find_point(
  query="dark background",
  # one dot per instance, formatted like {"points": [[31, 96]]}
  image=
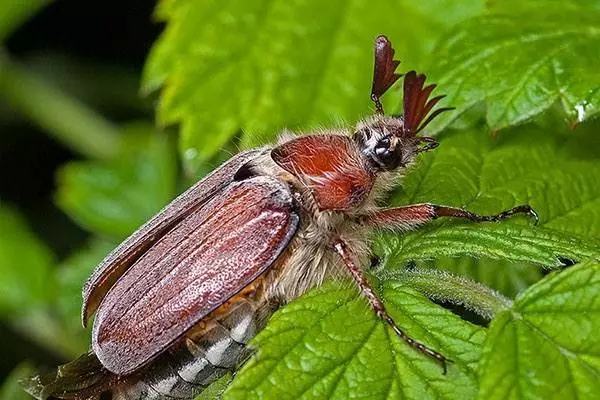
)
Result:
{"points": [[97, 39]]}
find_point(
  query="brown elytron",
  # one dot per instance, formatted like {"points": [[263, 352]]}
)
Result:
{"points": [[117, 262], [177, 302], [195, 268]]}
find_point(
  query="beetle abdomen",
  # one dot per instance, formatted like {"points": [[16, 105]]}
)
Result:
{"points": [[203, 358], [217, 347]]}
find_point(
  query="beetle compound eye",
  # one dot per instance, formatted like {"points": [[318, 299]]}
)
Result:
{"points": [[385, 154], [383, 146]]}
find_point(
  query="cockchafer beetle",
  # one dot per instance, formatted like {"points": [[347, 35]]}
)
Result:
{"points": [[179, 299]]}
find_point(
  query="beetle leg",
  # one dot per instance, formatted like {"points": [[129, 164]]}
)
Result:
{"points": [[341, 248], [408, 217]]}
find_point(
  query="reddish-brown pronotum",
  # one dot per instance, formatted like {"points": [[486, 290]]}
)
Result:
{"points": [[177, 301]]}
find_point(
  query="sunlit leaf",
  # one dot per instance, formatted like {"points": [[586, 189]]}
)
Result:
{"points": [[525, 166], [547, 346], [329, 344], [521, 58]]}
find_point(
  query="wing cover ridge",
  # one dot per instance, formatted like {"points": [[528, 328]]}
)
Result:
{"points": [[201, 263], [132, 248]]}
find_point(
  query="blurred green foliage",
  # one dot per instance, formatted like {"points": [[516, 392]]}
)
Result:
{"points": [[22, 289], [236, 73], [114, 198], [11, 389], [15, 12]]}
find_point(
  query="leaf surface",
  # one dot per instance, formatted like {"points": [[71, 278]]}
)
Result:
{"points": [[547, 346], [507, 278], [329, 344], [520, 58]]}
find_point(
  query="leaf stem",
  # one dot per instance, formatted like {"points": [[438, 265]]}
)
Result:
{"points": [[59, 114], [443, 286]]}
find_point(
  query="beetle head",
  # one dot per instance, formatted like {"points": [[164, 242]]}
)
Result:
{"points": [[387, 145], [389, 142]]}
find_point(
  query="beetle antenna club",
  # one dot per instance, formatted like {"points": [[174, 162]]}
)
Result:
{"points": [[177, 302], [384, 72]]}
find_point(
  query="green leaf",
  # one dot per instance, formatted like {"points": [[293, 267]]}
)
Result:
{"points": [[260, 66], [16, 12], [487, 176], [547, 346], [114, 198], [11, 389], [71, 275], [329, 344], [521, 58], [25, 265]]}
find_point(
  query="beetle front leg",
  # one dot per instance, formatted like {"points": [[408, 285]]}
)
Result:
{"points": [[341, 248], [408, 217]]}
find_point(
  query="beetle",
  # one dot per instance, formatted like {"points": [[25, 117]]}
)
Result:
{"points": [[177, 301]]}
